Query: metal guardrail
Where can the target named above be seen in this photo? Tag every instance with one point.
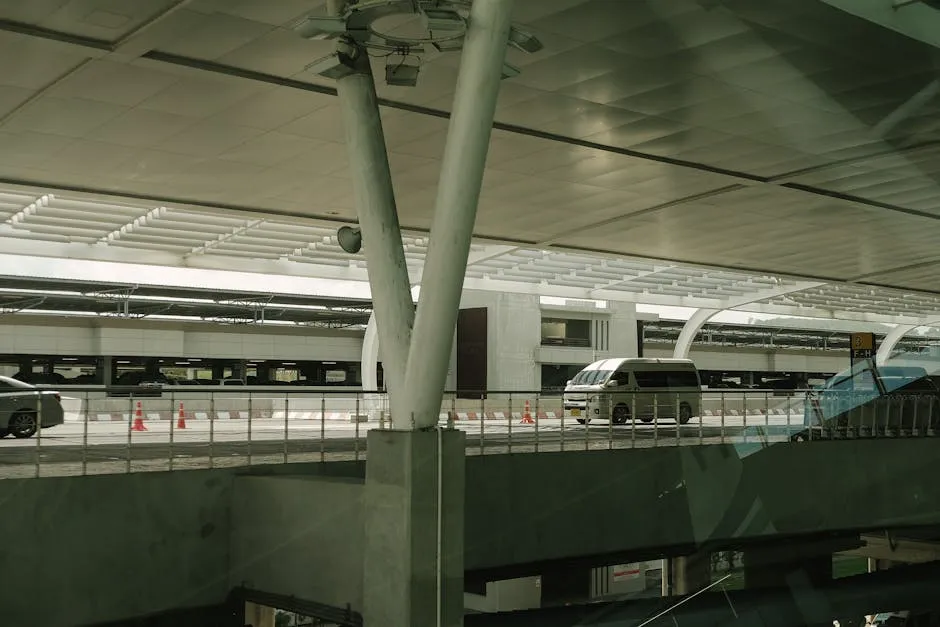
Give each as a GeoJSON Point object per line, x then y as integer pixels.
{"type": "Point", "coordinates": [245, 427]}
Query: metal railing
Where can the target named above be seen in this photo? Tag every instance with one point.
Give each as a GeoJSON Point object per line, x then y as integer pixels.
{"type": "Point", "coordinates": [245, 427]}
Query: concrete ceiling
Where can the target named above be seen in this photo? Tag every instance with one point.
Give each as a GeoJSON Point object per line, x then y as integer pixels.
{"type": "Point", "coordinates": [743, 134]}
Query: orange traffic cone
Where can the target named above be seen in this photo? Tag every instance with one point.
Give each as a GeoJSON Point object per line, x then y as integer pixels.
{"type": "Point", "coordinates": [139, 418]}
{"type": "Point", "coordinates": [181, 421]}
{"type": "Point", "coordinates": [527, 415]}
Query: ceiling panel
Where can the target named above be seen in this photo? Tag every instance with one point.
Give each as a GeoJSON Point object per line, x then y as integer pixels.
{"type": "Point", "coordinates": [100, 19]}
{"type": "Point", "coordinates": [792, 91]}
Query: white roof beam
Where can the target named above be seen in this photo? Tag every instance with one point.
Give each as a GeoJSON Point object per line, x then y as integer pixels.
{"type": "Point", "coordinates": [30, 209]}
{"type": "Point", "coordinates": [492, 251]}
{"type": "Point", "coordinates": [641, 275]}
{"type": "Point", "coordinates": [136, 223]}
{"type": "Point", "coordinates": [245, 227]}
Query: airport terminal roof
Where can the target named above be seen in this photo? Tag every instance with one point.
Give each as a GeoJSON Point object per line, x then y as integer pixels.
{"type": "Point", "coordinates": [776, 155]}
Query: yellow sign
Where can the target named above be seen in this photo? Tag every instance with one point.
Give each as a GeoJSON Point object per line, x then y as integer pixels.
{"type": "Point", "coordinates": [863, 341]}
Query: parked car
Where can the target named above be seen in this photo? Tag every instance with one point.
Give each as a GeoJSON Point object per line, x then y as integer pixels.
{"type": "Point", "coordinates": [21, 410]}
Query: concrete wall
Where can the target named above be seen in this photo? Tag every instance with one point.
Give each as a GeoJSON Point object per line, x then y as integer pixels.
{"type": "Point", "coordinates": [300, 536]}
{"type": "Point", "coordinates": [98, 549]}
{"type": "Point", "coordinates": [111, 547]}
{"type": "Point", "coordinates": [58, 336]}
{"type": "Point", "coordinates": [510, 595]}
{"type": "Point", "coordinates": [513, 330]}
{"type": "Point", "coordinates": [556, 506]}
{"type": "Point", "coordinates": [514, 323]}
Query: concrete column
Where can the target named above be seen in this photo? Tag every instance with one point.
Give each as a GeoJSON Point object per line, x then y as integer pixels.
{"type": "Point", "coordinates": [259, 615]}
{"type": "Point", "coordinates": [773, 567]}
{"type": "Point", "coordinates": [687, 575]}
{"type": "Point", "coordinates": [240, 370]}
{"type": "Point", "coordinates": [414, 529]}
{"type": "Point", "coordinates": [151, 367]}
{"type": "Point", "coordinates": [378, 223]}
{"type": "Point", "coordinates": [105, 370]}
{"type": "Point", "coordinates": [458, 194]}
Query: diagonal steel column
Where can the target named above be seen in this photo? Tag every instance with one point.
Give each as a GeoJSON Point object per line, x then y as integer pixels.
{"type": "Point", "coordinates": [378, 221]}
{"type": "Point", "coordinates": [458, 195]}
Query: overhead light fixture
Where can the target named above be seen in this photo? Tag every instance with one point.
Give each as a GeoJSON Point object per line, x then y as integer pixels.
{"type": "Point", "coordinates": [527, 42]}
{"type": "Point", "coordinates": [338, 65]}
{"type": "Point", "coordinates": [510, 71]}
{"type": "Point", "coordinates": [440, 20]}
{"type": "Point", "coordinates": [398, 45]}
{"type": "Point", "coordinates": [349, 239]}
{"type": "Point", "coordinates": [401, 74]}
{"type": "Point", "coordinates": [321, 27]}
{"type": "Point", "coordinates": [445, 24]}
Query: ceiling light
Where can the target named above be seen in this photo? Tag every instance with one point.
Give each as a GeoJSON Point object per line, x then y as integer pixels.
{"type": "Point", "coordinates": [401, 74]}
{"type": "Point", "coordinates": [443, 20]}
{"type": "Point", "coordinates": [510, 71]}
{"type": "Point", "coordinates": [340, 64]}
{"type": "Point", "coordinates": [350, 239]}
{"type": "Point", "coordinates": [321, 27]}
{"type": "Point", "coordinates": [527, 42]}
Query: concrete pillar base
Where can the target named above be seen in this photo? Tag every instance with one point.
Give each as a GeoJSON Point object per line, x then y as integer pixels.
{"type": "Point", "coordinates": [405, 531]}
{"type": "Point", "coordinates": [690, 574]}
{"type": "Point", "coordinates": [259, 615]}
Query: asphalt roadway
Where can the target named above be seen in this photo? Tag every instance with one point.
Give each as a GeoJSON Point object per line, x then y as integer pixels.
{"type": "Point", "coordinates": [75, 449]}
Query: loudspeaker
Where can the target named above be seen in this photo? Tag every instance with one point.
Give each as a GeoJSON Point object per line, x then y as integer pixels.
{"type": "Point", "coordinates": [349, 239]}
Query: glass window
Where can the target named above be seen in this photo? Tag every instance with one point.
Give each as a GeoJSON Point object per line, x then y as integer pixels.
{"type": "Point", "coordinates": [682, 379]}
{"type": "Point", "coordinates": [622, 377]}
{"type": "Point", "coordinates": [566, 332]}
{"type": "Point", "coordinates": [590, 377]}
{"type": "Point", "coordinates": [650, 379]}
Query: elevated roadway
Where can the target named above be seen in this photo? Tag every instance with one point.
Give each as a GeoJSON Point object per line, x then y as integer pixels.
{"type": "Point", "coordinates": [298, 528]}
{"type": "Point", "coordinates": [112, 447]}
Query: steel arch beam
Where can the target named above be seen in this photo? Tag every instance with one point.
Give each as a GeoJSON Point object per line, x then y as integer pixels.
{"type": "Point", "coordinates": [690, 330]}
{"type": "Point", "coordinates": [895, 335]}
{"type": "Point", "coordinates": [701, 316]}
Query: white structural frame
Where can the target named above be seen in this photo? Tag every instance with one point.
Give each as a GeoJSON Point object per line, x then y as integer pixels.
{"type": "Point", "coordinates": [883, 354]}
{"type": "Point", "coordinates": [423, 355]}
{"type": "Point", "coordinates": [701, 316]}
{"type": "Point", "coordinates": [458, 194]}
{"type": "Point", "coordinates": [378, 221]}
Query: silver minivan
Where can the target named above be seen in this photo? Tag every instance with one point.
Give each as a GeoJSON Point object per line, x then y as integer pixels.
{"type": "Point", "coordinates": [627, 388]}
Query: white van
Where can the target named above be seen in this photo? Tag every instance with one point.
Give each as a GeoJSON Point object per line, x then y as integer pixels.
{"type": "Point", "coordinates": [626, 388]}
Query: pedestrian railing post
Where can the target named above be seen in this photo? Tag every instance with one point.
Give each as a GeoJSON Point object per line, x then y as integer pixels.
{"type": "Point", "coordinates": [85, 433]}
{"type": "Point", "coordinates": [170, 452]}
{"type": "Point", "coordinates": [212, 417]}
{"type": "Point", "coordinates": [323, 426]}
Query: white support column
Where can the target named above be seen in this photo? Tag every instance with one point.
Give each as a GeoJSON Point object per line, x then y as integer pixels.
{"type": "Point", "coordinates": [458, 194]}
{"type": "Point", "coordinates": [369, 361]}
{"type": "Point", "coordinates": [374, 404]}
{"type": "Point", "coordinates": [690, 330]}
{"type": "Point", "coordinates": [378, 221]}
{"type": "Point", "coordinates": [897, 333]}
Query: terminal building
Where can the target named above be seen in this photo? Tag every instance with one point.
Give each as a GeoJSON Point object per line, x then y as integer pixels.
{"type": "Point", "coordinates": [367, 313]}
